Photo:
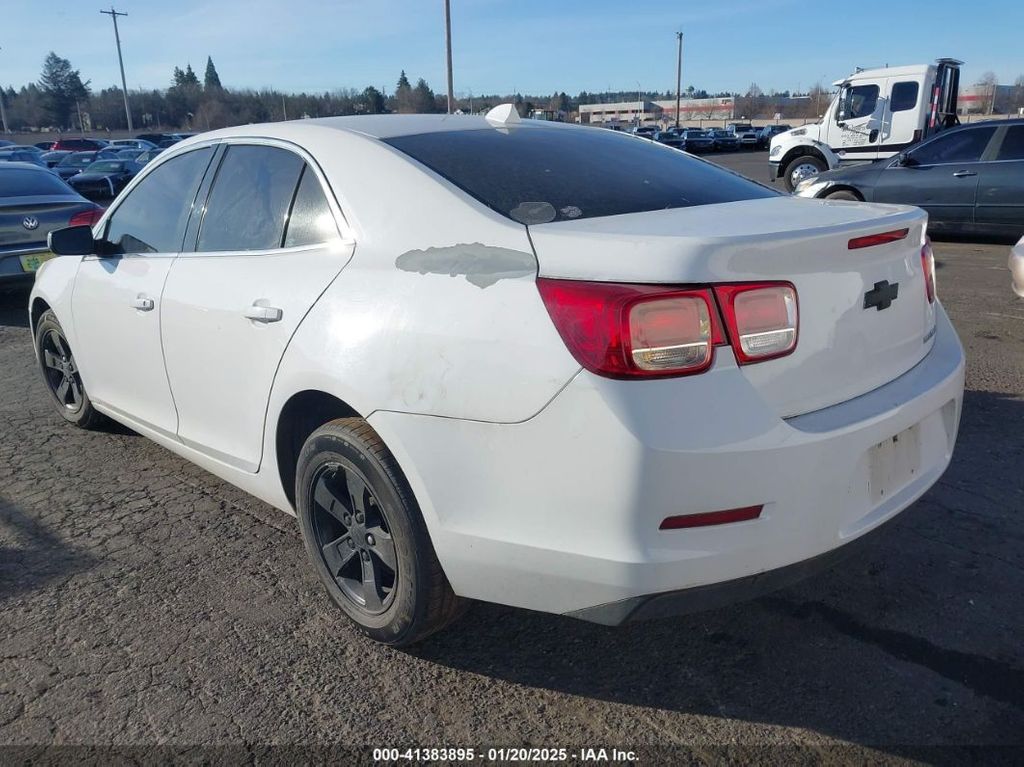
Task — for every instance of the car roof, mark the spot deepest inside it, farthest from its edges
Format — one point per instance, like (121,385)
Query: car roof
(23,166)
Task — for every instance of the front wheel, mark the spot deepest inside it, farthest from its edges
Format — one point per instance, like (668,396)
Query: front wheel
(842,194)
(366,537)
(61,376)
(801,168)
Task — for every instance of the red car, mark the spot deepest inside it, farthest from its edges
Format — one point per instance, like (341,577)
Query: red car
(79,144)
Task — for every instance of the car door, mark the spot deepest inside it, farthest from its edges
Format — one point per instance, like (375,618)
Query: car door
(116,304)
(1000,207)
(859,116)
(267,247)
(900,123)
(940,175)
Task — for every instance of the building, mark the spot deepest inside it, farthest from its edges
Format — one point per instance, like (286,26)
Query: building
(985,99)
(691,110)
(656,112)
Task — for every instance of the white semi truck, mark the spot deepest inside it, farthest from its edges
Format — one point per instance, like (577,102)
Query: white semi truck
(876,113)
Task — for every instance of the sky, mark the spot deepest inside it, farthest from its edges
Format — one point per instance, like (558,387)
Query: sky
(505,46)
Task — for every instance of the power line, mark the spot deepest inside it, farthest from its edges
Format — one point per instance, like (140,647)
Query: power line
(113,14)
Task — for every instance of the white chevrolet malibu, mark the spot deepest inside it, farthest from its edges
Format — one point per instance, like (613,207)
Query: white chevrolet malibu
(548,366)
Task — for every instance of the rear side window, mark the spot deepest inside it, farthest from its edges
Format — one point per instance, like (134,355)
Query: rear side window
(311,220)
(248,205)
(904,97)
(153,216)
(1013,144)
(18,182)
(961,146)
(534,175)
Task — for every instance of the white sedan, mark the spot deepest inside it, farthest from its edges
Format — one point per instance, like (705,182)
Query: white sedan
(548,366)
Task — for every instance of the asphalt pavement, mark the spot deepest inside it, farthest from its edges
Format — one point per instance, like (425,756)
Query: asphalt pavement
(143,601)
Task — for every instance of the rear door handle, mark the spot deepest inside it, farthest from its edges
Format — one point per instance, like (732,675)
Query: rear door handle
(263,313)
(964,173)
(143,303)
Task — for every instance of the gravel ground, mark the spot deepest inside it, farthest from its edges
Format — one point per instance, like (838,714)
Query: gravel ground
(143,601)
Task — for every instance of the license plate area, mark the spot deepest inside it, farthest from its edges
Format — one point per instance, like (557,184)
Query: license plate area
(894,463)
(32,262)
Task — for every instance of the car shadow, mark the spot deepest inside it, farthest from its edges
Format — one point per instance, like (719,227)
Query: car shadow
(899,622)
(14,306)
(31,555)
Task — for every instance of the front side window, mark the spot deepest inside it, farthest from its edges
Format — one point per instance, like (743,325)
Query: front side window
(961,146)
(534,175)
(1013,144)
(247,208)
(153,216)
(860,101)
(904,96)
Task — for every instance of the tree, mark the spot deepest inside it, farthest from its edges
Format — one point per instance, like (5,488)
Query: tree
(372,101)
(189,78)
(423,98)
(62,89)
(987,85)
(403,95)
(211,80)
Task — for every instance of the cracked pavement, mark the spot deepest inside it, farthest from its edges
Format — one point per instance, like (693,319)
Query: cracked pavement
(143,601)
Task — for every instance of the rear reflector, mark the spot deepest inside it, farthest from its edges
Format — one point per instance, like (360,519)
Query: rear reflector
(762,319)
(928,266)
(709,518)
(877,239)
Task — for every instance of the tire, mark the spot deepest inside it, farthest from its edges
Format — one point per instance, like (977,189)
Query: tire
(366,538)
(799,168)
(61,377)
(843,194)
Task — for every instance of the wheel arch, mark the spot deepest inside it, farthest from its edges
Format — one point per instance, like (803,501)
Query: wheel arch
(844,188)
(302,414)
(815,150)
(36,310)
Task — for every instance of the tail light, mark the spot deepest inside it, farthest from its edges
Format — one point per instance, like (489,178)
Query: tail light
(761,318)
(634,331)
(650,331)
(86,217)
(928,267)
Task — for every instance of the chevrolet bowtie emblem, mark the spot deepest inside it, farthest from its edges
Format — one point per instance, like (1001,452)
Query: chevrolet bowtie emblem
(882,295)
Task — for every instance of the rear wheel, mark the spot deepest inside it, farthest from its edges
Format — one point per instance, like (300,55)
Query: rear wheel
(801,168)
(61,376)
(366,537)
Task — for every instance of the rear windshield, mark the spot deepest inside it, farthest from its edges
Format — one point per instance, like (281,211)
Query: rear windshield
(537,175)
(29,183)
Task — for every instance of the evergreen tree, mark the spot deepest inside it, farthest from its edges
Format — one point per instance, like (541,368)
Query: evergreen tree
(189,78)
(403,95)
(423,98)
(211,80)
(373,101)
(62,88)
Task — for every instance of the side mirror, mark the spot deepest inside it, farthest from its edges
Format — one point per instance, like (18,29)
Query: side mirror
(72,241)
(904,160)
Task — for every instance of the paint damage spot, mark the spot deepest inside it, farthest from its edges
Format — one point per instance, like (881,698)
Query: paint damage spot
(481,265)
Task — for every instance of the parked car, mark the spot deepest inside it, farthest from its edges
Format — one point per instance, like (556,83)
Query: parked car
(148,155)
(34,202)
(970,179)
(5,142)
(156,139)
(746,134)
(1017,267)
(724,140)
(764,136)
(644,131)
(698,141)
(53,158)
(104,179)
(132,143)
(685,344)
(80,144)
(74,163)
(670,137)
(45,145)
(129,154)
(21,155)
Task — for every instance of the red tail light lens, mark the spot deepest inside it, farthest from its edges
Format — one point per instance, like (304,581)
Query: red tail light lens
(877,239)
(86,217)
(928,267)
(634,331)
(762,319)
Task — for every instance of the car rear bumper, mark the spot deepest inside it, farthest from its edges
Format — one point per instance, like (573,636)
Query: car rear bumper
(11,270)
(1017,268)
(561,512)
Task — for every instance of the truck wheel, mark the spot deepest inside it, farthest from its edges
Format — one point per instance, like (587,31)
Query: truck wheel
(843,194)
(366,538)
(800,168)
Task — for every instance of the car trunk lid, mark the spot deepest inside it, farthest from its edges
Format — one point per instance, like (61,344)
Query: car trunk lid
(17,215)
(845,348)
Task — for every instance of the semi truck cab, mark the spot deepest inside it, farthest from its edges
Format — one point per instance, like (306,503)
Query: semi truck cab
(874,114)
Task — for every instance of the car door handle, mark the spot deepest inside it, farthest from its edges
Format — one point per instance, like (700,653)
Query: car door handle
(964,173)
(263,313)
(143,303)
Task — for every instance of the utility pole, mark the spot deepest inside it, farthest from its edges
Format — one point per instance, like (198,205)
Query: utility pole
(679,73)
(3,111)
(448,43)
(113,14)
